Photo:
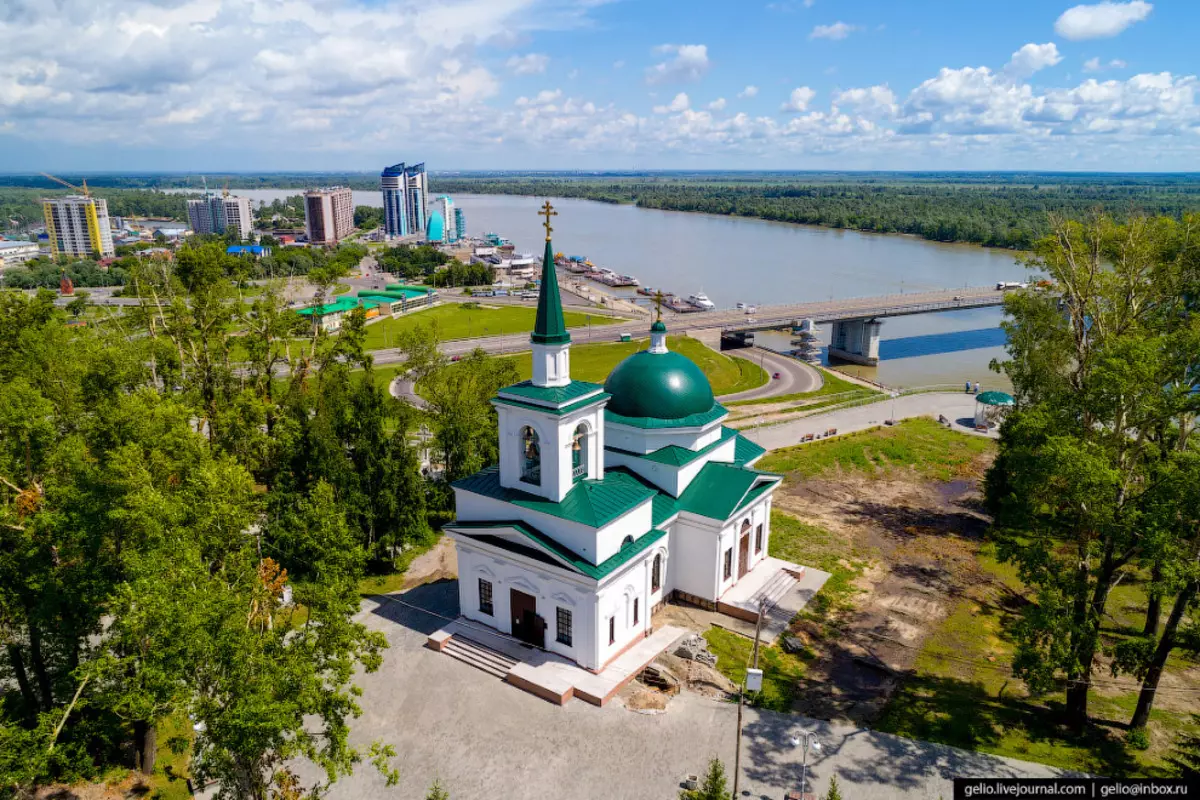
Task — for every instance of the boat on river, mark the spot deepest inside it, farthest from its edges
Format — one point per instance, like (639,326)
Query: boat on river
(700,300)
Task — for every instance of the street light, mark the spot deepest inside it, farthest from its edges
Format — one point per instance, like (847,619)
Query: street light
(807,739)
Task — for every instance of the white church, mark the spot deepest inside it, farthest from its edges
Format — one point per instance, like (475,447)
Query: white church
(608,500)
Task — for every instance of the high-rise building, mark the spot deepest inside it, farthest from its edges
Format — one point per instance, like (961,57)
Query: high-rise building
(405,200)
(210,214)
(460,224)
(447,232)
(328,214)
(78,226)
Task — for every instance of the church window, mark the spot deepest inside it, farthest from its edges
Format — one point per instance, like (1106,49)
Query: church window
(531,457)
(656,574)
(758,538)
(579,453)
(729,563)
(612,630)
(562,632)
(635,610)
(485,597)
(627,541)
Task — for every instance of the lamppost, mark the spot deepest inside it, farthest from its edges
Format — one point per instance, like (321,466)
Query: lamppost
(805,739)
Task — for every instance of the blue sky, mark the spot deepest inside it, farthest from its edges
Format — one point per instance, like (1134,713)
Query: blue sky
(192,85)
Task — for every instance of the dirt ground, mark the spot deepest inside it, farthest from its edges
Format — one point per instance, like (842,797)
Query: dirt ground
(919,539)
(440,563)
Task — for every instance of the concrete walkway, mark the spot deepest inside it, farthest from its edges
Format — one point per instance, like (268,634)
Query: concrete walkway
(958,407)
(483,740)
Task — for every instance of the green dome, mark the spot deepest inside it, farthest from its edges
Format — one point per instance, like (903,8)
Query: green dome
(658,327)
(658,385)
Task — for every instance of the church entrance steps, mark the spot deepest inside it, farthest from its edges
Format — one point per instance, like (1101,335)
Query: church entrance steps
(549,676)
(781,589)
(478,656)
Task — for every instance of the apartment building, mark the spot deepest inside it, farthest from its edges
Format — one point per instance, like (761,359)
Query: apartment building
(328,214)
(78,225)
(405,200)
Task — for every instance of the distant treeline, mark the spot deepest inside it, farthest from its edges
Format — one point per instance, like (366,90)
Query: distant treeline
(1009,216)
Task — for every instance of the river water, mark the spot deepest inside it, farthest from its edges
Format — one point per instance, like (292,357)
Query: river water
(733,259)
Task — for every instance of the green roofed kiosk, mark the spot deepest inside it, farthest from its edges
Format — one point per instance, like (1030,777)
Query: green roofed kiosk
(990,408)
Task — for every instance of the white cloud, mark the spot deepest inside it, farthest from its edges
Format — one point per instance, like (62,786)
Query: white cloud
(872,101)
(680,103)
(1100,21)
(618,64)
(717,105)
(530,64)
(1096,65)
(749,91)
(838,30)
(544,97)
(799,100)
(1031,58)
(689,64)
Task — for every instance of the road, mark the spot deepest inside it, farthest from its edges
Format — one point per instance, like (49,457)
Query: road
(794,376)
(958,407)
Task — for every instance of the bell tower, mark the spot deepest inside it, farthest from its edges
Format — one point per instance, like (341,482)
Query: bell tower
(550,340)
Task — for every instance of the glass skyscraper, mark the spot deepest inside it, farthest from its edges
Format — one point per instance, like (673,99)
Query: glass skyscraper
(405,200)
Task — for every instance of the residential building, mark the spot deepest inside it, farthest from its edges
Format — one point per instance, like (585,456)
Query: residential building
(328,214)
(445,209)
(13,254)
(608,501)
(405,200)
(211,214)
(77,225)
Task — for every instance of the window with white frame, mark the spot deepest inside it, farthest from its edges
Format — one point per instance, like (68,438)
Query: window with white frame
(485,597)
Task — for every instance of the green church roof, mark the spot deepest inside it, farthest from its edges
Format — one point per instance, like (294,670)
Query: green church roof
(591,503)
(658,327)
(549,328)
(664,386)
(627,553)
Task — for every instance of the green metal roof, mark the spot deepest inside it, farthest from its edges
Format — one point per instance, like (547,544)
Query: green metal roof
(994,398)
(341,304)
(658,327)
(675,455)
(549,327)
(658,385)
(663,509)
(628,551)
(693,421)
(591,503)
(720,489)
(558,411)
(551,395)
(745,451)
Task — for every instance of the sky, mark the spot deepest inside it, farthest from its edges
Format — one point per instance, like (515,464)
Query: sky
(310,85)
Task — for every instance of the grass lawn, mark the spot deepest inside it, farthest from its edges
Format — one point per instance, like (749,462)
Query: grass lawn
(169,781)
(593,362)
(781,670)
(394,581)
(341,288)
(933,450)
(466,320)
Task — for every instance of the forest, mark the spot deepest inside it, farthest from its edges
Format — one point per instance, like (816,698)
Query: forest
(1000,214)
(190,494)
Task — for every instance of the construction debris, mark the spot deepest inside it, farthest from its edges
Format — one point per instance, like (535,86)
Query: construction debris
(695,648)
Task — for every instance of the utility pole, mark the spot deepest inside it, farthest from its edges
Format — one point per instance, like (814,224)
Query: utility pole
(737,753)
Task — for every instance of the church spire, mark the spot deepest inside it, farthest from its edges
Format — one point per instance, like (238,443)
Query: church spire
(549,327)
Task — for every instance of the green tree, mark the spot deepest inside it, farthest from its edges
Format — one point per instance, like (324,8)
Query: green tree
(714,787)
(436,792)
(1186,754)
(78,304)
(835,791)
(1077,489)
(464,420)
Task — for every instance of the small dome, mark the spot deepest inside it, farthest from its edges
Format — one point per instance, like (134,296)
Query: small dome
(658,327)
(658,385)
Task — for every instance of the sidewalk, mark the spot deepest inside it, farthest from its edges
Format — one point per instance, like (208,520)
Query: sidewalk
(958,407)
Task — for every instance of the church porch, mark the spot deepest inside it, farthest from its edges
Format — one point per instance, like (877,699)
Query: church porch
(780,589)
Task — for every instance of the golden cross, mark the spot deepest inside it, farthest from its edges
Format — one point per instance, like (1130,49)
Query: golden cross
(547,212)
(658,301)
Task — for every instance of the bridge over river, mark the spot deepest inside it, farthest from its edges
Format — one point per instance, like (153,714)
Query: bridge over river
(855,321)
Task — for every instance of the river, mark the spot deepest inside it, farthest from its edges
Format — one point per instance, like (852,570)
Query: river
(734,259)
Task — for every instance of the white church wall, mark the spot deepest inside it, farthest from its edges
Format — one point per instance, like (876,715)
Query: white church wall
(635,524)
(506,572)
(694,556)
(647,440)
(615,601)
(671,479)
(555,436)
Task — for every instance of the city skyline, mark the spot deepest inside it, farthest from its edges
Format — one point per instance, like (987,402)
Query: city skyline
(586,84)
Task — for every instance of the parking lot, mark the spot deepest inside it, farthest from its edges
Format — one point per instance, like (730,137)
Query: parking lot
(484,739)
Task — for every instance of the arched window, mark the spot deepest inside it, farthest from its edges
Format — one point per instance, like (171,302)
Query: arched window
(531,457)
(656,574)
(579,453)
(628,540)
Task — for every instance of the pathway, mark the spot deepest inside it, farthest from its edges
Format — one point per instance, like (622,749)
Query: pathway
(958,407)
(485,740)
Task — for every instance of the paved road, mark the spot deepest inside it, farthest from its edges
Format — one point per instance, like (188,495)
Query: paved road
(794,376)
(958,407)
(484,739)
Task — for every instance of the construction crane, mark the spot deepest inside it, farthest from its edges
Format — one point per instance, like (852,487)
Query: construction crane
(84,191)
(225,190)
